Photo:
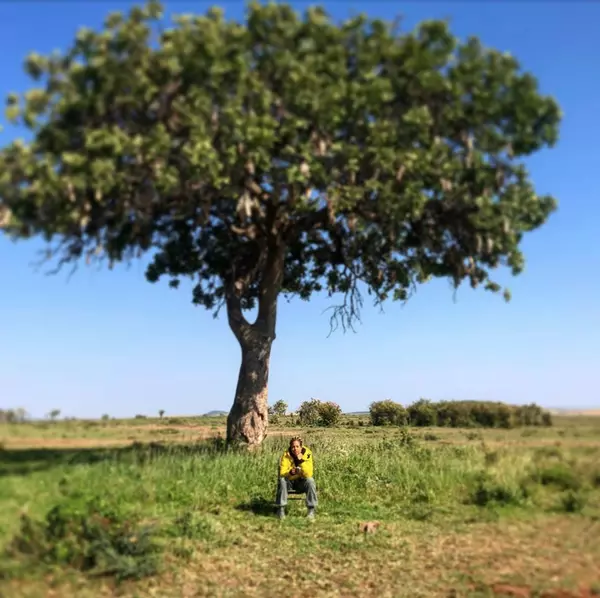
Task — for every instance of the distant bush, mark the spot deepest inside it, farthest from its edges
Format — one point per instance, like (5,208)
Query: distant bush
(13,416)
(329,414)
(278,408)
(308,413)
(422,413)
(388,413)
(469,414)
(319,413)
(532,415)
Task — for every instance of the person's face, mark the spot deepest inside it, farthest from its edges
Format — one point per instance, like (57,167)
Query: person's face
(296,448)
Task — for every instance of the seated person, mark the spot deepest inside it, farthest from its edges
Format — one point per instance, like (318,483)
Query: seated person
(296,475)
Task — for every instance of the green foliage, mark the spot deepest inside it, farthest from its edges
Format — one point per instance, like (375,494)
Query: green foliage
(486,490)
(388,413)
(406,438)
(205,500)
(279,408)
(191,525)
(572,502)
(308,413)
(559,475)
(288,153)
(319,413)
(90,537)
(329,414)
(532,415)
(422,413)
(485,414)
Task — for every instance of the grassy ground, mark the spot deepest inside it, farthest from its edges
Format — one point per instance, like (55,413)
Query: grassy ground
(460,512)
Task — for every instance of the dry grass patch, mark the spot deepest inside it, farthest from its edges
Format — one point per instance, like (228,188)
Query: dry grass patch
(543,555)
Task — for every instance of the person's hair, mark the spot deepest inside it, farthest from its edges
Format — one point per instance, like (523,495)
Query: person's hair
(296,439)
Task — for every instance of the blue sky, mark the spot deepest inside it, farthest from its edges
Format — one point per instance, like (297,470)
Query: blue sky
(108,342)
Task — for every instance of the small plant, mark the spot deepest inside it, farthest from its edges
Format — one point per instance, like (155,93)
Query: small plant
(190,525)
(89,537)
(548,452)
(559,476)
(487,491)
(491,457)
(406,438)
(572,502)
(430,436)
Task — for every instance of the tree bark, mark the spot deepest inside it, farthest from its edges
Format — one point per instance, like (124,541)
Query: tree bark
(248,419)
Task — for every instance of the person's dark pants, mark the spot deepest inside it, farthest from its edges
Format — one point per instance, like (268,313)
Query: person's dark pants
(300,486)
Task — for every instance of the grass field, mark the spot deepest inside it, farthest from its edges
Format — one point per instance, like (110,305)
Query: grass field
(461,512)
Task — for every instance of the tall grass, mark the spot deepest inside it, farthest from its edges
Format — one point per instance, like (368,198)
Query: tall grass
(204,491)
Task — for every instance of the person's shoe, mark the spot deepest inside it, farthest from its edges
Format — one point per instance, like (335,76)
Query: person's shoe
(281,513)
(311,514)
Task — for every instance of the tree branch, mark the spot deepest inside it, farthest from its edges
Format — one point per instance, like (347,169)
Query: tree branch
(348,312)
(237,321)
(270,287)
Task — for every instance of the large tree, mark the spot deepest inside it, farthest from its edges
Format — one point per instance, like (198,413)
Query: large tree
(284,155)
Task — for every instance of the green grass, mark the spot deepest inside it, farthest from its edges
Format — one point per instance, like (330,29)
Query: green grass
(199,506)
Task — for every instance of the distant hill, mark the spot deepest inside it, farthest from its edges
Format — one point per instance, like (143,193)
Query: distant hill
(215,413)
(357,413)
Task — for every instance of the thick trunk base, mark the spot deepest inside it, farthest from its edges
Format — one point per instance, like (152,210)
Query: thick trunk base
(248,419)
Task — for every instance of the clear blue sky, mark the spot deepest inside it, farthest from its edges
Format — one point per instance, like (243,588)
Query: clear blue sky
(108,342)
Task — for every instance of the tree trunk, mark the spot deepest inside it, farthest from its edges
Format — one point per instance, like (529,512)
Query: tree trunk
(248,419)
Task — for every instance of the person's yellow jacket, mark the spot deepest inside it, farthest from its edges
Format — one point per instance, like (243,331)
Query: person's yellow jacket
(306,465)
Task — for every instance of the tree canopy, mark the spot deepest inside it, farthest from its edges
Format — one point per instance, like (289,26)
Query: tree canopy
(370,154)
(285,154)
